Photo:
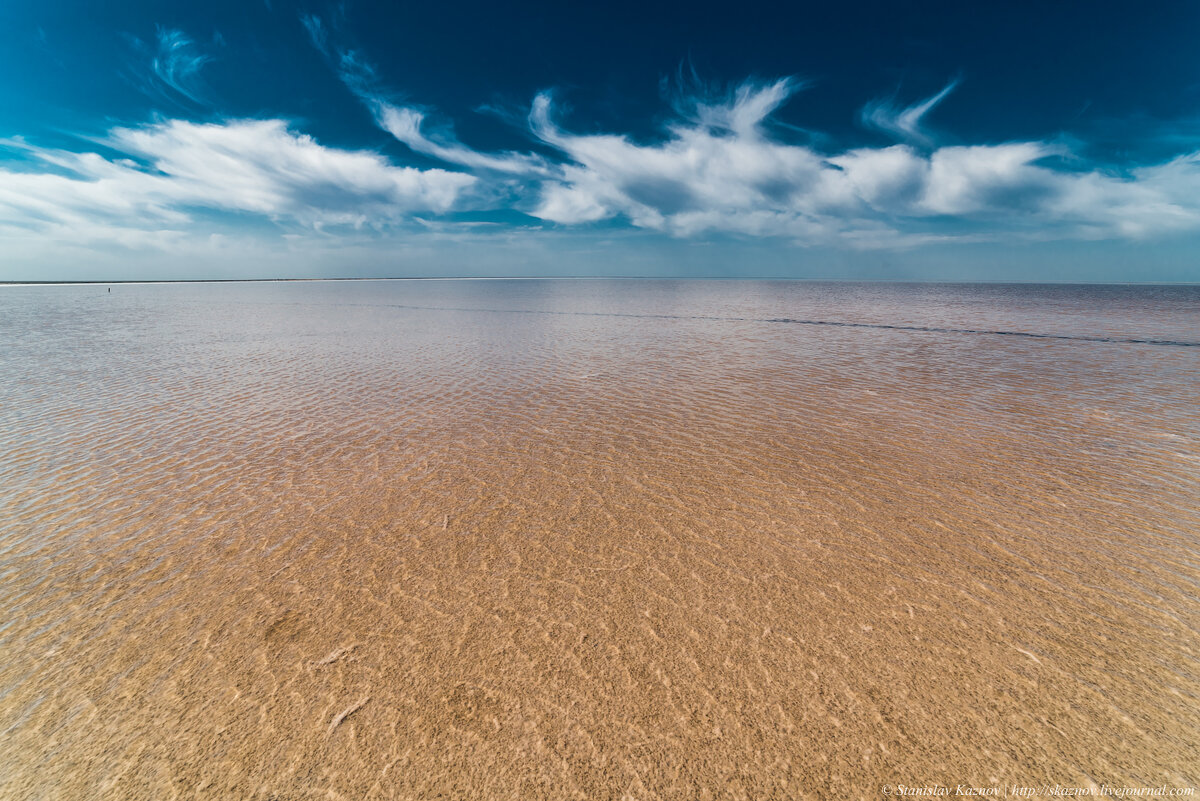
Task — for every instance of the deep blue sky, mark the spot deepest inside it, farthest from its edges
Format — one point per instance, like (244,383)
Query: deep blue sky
(153,139)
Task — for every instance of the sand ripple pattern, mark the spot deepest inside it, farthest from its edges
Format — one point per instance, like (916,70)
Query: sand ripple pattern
(638,540)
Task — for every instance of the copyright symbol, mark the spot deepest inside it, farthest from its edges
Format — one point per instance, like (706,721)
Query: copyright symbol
(887,789)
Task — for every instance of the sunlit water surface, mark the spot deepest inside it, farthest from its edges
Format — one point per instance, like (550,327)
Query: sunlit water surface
(596,539)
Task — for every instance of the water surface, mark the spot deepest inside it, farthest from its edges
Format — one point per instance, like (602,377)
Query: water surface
(596,539)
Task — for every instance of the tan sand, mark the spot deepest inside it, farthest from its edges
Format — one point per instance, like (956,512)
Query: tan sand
(799,566)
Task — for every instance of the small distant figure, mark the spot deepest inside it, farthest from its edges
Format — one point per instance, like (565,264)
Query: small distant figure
(110,289)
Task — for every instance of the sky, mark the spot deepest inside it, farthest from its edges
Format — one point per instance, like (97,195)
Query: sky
(886,140)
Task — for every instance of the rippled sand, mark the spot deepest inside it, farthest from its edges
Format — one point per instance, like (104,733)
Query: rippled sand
(363,541)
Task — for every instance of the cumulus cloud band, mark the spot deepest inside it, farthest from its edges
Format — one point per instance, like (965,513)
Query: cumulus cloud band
(719,168)
(257,167)
(722,172)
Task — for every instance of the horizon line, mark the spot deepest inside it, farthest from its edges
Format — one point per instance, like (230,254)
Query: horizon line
(155,281)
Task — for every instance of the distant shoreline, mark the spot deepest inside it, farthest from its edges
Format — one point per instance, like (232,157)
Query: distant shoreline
(590,278)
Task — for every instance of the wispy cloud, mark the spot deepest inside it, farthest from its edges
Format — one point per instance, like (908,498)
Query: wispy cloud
(168,69)
(404,121)
(904,123)
(178,63)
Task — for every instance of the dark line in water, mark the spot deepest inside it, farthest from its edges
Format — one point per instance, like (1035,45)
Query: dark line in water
(789,320)
(797,321)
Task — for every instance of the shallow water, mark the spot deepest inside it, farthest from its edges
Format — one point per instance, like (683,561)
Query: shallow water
(596,539)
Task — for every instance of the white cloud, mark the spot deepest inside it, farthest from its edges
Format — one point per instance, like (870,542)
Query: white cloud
(904,122)
(258,167)
(168,68)
(988,179)
(177,63)
(722,171)
(1159,199)
(721,168)
(405,122)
